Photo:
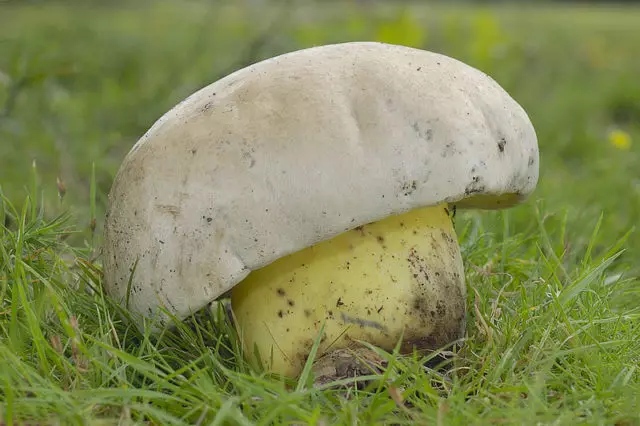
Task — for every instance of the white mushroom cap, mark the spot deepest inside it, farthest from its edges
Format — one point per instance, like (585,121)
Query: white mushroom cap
(297,149)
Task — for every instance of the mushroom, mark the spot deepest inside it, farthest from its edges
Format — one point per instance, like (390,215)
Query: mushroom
(317,188)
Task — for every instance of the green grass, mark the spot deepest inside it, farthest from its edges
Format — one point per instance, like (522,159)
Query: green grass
(554,287)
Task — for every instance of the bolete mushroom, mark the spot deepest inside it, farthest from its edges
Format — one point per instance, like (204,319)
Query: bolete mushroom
(316,187)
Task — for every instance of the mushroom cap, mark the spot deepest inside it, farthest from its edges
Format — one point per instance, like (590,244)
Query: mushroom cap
(296,149)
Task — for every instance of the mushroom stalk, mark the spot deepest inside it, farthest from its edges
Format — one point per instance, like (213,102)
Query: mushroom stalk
(400,278)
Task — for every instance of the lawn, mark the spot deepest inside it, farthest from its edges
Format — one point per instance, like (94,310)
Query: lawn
(553,334)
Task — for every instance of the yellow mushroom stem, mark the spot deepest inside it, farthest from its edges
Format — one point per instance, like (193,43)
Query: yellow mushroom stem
(401,277)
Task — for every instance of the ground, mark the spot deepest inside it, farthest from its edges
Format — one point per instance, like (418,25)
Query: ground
(553,335)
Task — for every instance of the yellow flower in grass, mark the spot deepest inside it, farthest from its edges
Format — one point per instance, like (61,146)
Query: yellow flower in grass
(620,139)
